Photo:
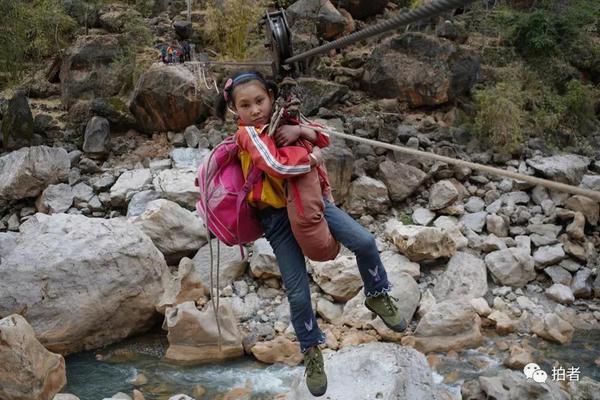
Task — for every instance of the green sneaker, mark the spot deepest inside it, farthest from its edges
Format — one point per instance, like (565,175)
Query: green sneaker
(385,307)
(316,380)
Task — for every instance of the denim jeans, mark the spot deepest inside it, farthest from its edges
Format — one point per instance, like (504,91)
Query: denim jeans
(293,266)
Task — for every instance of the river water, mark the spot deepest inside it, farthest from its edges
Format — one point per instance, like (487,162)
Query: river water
(100,374)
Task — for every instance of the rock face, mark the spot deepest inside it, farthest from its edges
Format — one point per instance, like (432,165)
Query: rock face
(420,70)
(356,372)
(17,124)
(175,231)
(193,334)
(28,171)
(168,98)
(87,69)
(27,370)
(108,268)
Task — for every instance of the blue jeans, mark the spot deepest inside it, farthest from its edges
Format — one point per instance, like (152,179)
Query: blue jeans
(293,267)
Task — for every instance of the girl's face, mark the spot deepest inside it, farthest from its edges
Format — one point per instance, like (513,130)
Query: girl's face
(253,103)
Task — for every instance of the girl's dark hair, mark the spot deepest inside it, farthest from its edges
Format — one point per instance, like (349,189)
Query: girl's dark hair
(237,79)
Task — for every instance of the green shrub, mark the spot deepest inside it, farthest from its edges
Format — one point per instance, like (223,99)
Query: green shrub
(232,27)
(500,116)
(551,26)
(30,31)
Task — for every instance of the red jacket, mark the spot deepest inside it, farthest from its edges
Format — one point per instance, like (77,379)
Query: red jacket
(277,163)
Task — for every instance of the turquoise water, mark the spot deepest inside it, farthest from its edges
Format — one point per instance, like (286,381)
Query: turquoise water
(93,379)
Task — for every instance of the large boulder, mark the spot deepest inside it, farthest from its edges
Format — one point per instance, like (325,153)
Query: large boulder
(17,122)
(567,168)
(194,335)
(27,370)
(420,70)
(449,325)
(320,13)
(358,372)
(28,171)
(362,9)
(168,98)
(465,277)
(81,282)
(515,385)
(88,70)
(175,231)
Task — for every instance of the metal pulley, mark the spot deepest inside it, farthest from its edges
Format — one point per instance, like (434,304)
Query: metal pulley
(279,41)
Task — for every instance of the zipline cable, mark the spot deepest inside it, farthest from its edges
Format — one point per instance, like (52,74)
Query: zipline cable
(427,11)
(563,187)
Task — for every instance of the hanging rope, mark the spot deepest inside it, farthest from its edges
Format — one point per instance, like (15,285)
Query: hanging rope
(563,187)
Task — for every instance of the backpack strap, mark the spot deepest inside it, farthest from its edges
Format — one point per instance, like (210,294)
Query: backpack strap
(254,174)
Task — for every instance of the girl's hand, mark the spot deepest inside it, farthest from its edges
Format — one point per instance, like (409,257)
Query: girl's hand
(286,135)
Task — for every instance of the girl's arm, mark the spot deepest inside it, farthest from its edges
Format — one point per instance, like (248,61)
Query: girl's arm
(280,162)
(289,134)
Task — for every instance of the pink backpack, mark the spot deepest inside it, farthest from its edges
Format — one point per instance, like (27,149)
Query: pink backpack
(223,192)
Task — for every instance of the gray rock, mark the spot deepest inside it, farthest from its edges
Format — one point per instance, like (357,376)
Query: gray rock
(422,216)
(97,137)
(82,193)
(442,194)
(175,231)
(560,293)
(549,255)
(102,183)
(28,171)
(591,182)
(367,195)
(128,183)
(185,157)
(568,168)
(413,375)
(402,180)
(192,136)
(17,122)
(183,29)
(263,264)
(570,265)
(177,185)
(474,221)
(497,225)
(513,198)
(585,389)
(582,284)
(464,277)
(559,275)
(139,201)
(513,266)
(108,268)
(515,385)
(232,267)
(475,204)
(55,199)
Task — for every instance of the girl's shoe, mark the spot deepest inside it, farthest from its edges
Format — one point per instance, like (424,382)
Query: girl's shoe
(316,380)
(385,307)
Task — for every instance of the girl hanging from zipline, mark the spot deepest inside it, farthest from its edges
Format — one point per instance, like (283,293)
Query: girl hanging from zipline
(282,159)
